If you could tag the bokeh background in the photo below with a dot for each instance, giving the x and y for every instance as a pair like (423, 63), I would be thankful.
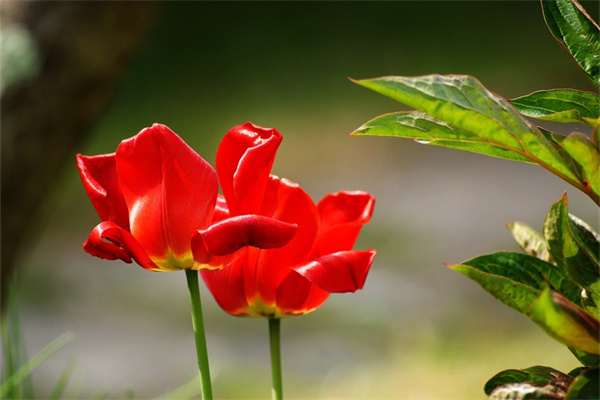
(418, 330)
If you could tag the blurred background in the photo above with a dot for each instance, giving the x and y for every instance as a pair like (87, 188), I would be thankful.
(418, 330)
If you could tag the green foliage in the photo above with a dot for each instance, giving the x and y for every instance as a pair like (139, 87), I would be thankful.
(557, 282)
(16, 382)
(516, 279)
(16, 377)
(566, 322)
(574, 246)
(560, 105)
(528, 383)
(457, 111)
(585, 385)
(577, 32)
(530, 241)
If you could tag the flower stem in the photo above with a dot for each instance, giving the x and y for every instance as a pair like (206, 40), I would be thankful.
(275, 345)
(198, 325)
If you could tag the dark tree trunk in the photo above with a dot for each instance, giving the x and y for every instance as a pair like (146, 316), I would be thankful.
(82, 49)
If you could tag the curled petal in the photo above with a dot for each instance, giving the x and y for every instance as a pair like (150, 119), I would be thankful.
(344, 271)
(244, 160)
(232, 234)
(342, 216)
(99, 177)
(111, 242)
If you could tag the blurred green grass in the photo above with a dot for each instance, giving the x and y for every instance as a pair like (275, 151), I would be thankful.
(417, 330)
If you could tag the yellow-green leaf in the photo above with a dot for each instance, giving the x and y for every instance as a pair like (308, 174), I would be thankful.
(457, 111)
(566, 322)
(530, 241)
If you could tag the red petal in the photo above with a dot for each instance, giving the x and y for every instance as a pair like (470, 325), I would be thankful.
(99, 176)
(344, 271)
(221, 210)
(111, 242)
(169, 189)
(234, 233)
(294, 206)
(227, 287)
(342, 216)
(244, 160)
(296, 295)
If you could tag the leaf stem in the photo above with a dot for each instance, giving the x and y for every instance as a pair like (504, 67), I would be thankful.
(199, 336)
(275, 346)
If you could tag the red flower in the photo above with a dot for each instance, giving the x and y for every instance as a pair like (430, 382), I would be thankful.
(157, 197)
(298, 277)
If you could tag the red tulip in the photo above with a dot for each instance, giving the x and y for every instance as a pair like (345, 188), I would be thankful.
(298, 277)
(156, 198)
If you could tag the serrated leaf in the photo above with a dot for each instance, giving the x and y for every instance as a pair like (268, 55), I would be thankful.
(577, 32)
(516, 279)
(585, 386)
(573, 246)
(536, 376)
(530, 241)
(560, 105)
(463, 114)
(566, 322)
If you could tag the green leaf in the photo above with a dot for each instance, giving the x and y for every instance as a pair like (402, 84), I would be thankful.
(585, 153)
(63, 380)
(581, 154)
(517, 279)
(573, 246)
(456, 111)
(26, 369)
(537, 376)
(530, 241)
(566, 322)
(587, 239)
(577, 32)
(527, 391)
(585, 386)
(584, 358)
(425, 129)
(560, 105)
(556, 141)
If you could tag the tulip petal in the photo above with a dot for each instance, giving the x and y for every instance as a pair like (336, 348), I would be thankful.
(296, 295)
(344, 271)
(342, 216)
(111, 242)
(244, 160)
(221, 210)
(227, 287)
(99, 177)
(294, 206)
(169, 189)
(234, 233)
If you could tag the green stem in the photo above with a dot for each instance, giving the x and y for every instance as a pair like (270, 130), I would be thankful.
(198, 325)
(275, 345)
